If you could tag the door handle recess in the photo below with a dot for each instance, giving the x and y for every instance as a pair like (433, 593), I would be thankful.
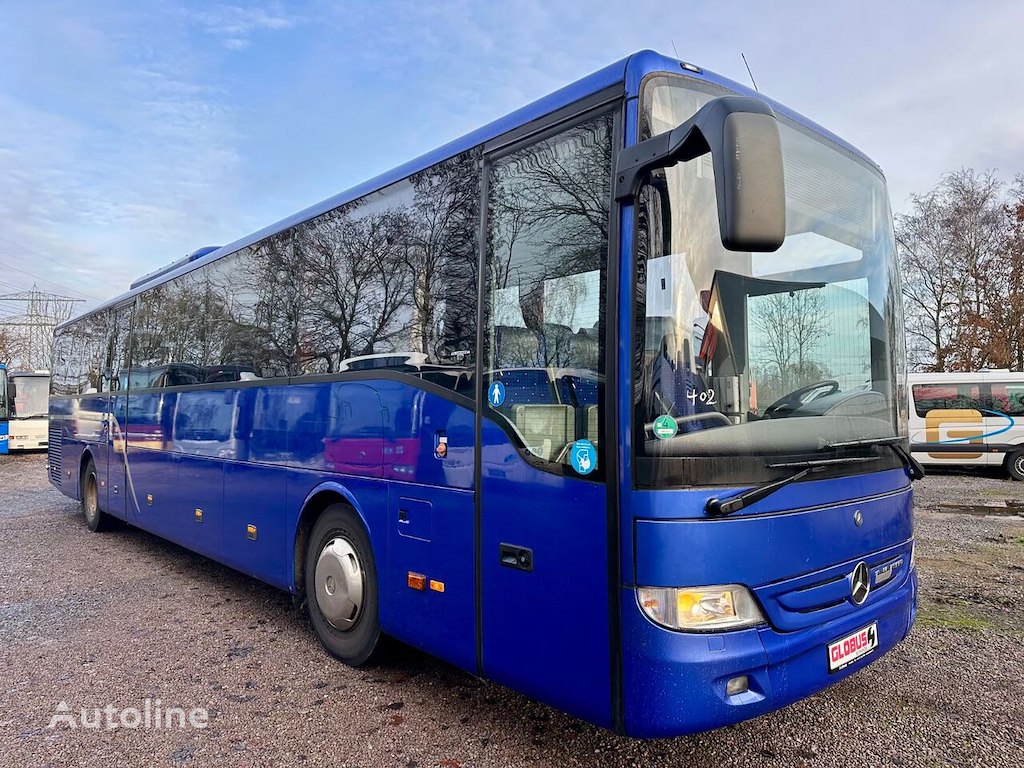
(520, 558)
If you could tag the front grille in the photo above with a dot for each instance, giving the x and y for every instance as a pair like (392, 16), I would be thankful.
(53, 450)
(818, 597)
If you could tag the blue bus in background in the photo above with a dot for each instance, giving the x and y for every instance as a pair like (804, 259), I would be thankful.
(5, 411)
(604, 401)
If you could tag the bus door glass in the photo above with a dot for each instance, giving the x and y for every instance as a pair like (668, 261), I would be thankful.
(543, 507)
(117, 412)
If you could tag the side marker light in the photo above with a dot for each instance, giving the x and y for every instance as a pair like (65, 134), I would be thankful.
(417, 581)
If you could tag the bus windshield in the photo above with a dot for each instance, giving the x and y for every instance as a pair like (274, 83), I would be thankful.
(764, 359)
(33, 396)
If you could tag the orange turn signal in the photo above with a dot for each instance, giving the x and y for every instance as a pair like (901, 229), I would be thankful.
(437, 586)
(417, 581)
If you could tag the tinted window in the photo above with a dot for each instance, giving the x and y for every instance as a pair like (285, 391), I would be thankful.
(385, 282)
(546, 282)
(82, 356)
(194, 329)
(1008, 399)
(390, 280)
(931, 397)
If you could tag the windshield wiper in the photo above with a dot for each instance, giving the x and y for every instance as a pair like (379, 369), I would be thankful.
(822, 463)
(912, 465)
(716, 507)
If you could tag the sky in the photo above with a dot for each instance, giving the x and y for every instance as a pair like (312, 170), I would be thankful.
(132, 133)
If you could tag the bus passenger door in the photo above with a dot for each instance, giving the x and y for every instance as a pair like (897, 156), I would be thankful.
(115, 384)
(543, 510)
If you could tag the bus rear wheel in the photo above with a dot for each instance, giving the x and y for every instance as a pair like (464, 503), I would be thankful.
(1015, 465)
(341, 586)
(95, 518)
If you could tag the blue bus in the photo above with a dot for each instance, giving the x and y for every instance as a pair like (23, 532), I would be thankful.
(604, 401)
(5, 411)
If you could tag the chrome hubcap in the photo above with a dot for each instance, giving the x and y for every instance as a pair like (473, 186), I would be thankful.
(339, 584)
(91, 502)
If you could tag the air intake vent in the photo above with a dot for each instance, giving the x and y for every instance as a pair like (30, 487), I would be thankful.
(54, 451)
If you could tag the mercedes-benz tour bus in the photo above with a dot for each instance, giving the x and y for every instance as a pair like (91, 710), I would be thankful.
(603, 401)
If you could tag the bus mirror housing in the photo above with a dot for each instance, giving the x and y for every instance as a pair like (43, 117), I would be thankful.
(12, 390)
(742, 135)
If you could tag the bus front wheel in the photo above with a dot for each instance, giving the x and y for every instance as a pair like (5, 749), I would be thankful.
(95, 518)
(341, 586)
(1015, 465)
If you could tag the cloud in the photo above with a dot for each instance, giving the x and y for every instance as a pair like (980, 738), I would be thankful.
(131, 134)
(235, 24)
(117, 161)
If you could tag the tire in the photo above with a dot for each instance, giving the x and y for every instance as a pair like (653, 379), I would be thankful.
(1015, 465)
(341, 586)
(96, 519)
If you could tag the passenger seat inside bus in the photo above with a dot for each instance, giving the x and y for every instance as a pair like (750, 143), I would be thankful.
(547, 429)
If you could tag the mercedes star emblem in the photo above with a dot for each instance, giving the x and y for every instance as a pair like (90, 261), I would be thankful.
(860, 583)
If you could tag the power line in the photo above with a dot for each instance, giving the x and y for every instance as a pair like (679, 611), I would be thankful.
(51, 282)
(33, 328)
(53, 259)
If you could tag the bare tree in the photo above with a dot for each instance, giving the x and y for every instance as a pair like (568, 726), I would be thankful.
(952, 249)
(792, 327)
(1008, 277)
(928, 274)
(8, 345)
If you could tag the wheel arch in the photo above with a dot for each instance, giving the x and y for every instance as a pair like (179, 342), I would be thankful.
(83, 462)
(316, 501)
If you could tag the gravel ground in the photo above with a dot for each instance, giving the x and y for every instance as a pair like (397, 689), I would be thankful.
(123, 616)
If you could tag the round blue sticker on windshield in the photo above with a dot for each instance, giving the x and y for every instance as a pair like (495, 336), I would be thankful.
(583, 457)
(496, 394)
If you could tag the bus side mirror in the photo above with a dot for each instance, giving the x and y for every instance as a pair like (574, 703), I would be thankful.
(12, 391)
(742, 135)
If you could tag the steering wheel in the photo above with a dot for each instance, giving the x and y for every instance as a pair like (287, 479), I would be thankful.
(790, 402)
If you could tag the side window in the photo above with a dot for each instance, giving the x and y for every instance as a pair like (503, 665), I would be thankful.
(546, 285)
(930, 397)
(1008, 399)
(97, 352)
(388, 282)
(119, 338)
(1015, 399)
(196, 329)
(64, 380)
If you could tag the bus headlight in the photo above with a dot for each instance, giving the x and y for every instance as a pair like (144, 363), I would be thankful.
(701, 609)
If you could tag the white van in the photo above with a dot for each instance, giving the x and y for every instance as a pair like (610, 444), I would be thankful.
(968, 418)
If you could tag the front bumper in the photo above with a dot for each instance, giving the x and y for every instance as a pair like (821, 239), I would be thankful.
(674, 682)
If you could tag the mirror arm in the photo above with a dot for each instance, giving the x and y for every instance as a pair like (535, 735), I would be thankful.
(685, 142)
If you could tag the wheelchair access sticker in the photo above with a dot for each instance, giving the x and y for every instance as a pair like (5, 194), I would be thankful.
(583, 457)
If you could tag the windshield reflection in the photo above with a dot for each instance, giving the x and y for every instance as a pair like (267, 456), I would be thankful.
(794, 351)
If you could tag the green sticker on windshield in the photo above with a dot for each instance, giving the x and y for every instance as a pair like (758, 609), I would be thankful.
(665, 427)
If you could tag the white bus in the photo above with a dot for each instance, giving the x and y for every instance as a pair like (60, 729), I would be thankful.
(30, 416)
(968, 418)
